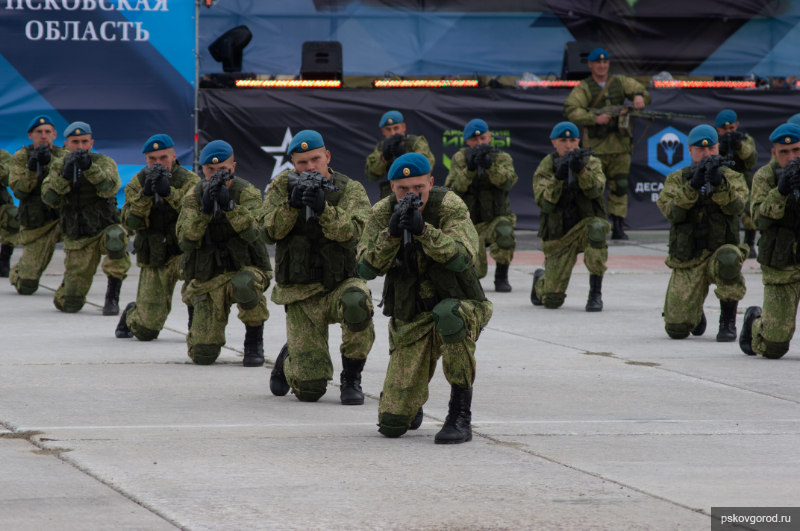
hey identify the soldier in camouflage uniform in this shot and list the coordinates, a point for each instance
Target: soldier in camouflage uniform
(316, 231)
(605, 132)
(775, 204)
(153, 200)
(432, 293)
(83, 186)
(702, 203)
(568, 187)
(40, 230)
(482, 176)
(395, 142)
(9, 216)
(739, 147)
(226, 260)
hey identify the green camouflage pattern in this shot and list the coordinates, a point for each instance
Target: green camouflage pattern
(502, 175)
(415, 346)
(8, 231)
(748, 155)
(766, 201)
(102, 173)
(376, 168)
(561, 255)
(307, 322)
(616, 165)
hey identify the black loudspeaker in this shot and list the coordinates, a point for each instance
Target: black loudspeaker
(228, 48)
(574, 64)
(321, 60)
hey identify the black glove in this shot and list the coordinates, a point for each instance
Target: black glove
(210, 194)
(296, 197)
(484, 158)
(471, 157)
(40, 155)
(161, 184)
(562, 168)
(576, 164)
(150, 176)
(785, 182)
(82, 159)
(314, 198)
(394, 225)
(714, 175)
(411, 220)
(224, 198)
(69, 165)
(736, 139)
(393, 147)
(699, 176)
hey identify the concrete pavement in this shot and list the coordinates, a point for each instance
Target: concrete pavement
(581, 421)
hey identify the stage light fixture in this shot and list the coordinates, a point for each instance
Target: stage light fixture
(228, 48)
(547, 83)
(288, 83)
(425, 83)
(704, 84)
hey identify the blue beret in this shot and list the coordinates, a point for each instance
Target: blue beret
(787, 133)
(565, 130)
(77, 129)
(725, 117)
(795, 119)
(409, 165)
(475, 127)
(703, 136)
(215, 152)
(391, 118)
(157, 142)
(42, 119)
(596, 54)
(306, 140)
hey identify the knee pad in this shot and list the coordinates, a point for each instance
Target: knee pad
(310, 390)
(554, 300)
(621, 182)
(72, 303)
(504, 235)
(392, 425)
(205, 354)
(13, 218)
(596, 232)
(144, 334)
(728, 264)
(678, 330)
(27, 286)
(775, 350)
(355, 310)
(448, 321)
(115, 241)
(244, 290)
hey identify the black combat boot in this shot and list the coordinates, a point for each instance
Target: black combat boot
(727, 321)
(617, 230)
(122, 331)
(746, 337)
(536, 301)
(111, 306)
(277, 379)
(595, 302)
(416, 422)
(750, 240)
(350, 391)
(501, 278)
(700, 329)
(457, 426)
(253, 346)
(5, 258)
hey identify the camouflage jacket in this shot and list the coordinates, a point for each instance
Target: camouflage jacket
(746, 157)
(102, 174)
(341, 223)
(491, 186)
(27, 186)
(376, 167)
(5, 161)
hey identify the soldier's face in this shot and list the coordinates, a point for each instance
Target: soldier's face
(599, 68)
(698, 153)
(485, 138)
(76, 142)
(165, 157)
(211, 168)
(727, 128)
(565, 145)
(315, 160)
(43, 135)
(786, 153)
(394, 129)
(420, 185)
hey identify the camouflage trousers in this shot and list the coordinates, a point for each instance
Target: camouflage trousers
(9, 224)
(80, 265)
(415, 348)
(487, 235)
(307, 323)
(688, 288)
(154, 298)
(616, 167)
(560, 257)
(37, 251)
(773, 331)
(212, 300)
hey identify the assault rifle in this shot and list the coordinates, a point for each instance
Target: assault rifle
(710, 164)
(792, 172)
(568, 158)
(310, 180)
(408, 203)
(217, 180)
(727, 147)
(621, 118)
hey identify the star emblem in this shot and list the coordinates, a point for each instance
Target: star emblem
(279, 154)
